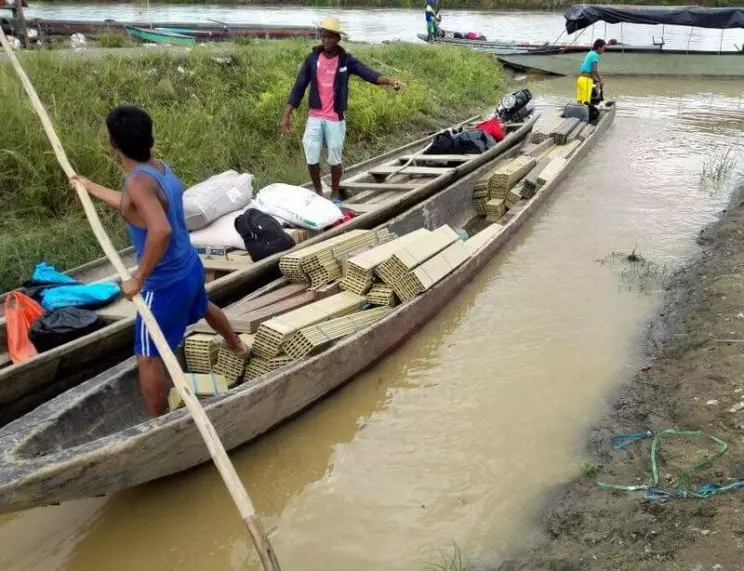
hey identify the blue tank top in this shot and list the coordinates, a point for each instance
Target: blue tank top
(179, 259)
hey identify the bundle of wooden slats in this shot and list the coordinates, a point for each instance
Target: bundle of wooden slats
(514, 196)
(537, 149)
(310, 339)
(258, 366)
(201, 352)
(229, 364)
(299, 235)
(544, 128)
(565, 151)
(382, 294)
(530, 181)
(480, 195)
(495, 209)
(505, 177)
(274, 333)
(202, 385)
(415, 253)
(475, 243)
(321, 263)
(586, 132)
(554, 167)
(360, 269)
(563, 130)
(424, 276)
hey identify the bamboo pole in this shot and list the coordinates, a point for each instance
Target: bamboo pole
(207, 430)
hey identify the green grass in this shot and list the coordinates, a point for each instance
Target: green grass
(590, 468)
(209, 117)
(114, 40)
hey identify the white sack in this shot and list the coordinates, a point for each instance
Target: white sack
(297, 205)
(221, 194)
(219, 234)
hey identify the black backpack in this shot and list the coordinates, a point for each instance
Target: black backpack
(262, 234)
(63, 325)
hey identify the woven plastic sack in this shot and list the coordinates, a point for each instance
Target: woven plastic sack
(218, 195)
(219, 234)
(297, 205)
(20, 313)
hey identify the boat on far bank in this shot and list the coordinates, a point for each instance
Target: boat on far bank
(655, 59)
(160, 36)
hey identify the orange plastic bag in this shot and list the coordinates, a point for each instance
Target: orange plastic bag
(20, 312)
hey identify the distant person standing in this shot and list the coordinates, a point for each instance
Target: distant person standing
(589, 73)
(432, 19)
(326, 70)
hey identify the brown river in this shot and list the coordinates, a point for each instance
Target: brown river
(457, 437)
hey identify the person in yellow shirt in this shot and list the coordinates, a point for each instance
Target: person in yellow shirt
(589, 73)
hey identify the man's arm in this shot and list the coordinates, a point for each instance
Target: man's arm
(359, 69)
(595, 72)
(110, 197)
(141, 191)
(296, 95)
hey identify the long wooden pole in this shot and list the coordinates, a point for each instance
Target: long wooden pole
(209, 434)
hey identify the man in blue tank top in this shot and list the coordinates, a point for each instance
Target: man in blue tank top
(170, 274)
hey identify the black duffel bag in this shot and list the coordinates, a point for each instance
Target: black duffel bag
(262, 234)
(63, 325)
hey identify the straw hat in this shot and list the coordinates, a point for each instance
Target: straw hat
(331, 24)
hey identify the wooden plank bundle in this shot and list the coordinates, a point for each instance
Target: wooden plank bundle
(299, 235)
(514, 196)
(555, 166)
(310, 339)
(505, 177)
(360, 269)
(586, 131)
(564, 129)
(431, 271)
(495, 209)
(415, 253)
(544, 128)
(202, 385)
(274, 333)
(475, 243)
(324, 257)
(480, 195)
(536, 149)
(258, 366)
(530, 181)
(565, 151)
(201, 352)
(382, 294)
(229, 364)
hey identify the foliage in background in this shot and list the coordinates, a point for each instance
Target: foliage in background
(209, 116)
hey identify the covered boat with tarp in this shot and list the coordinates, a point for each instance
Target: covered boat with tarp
(654, 59)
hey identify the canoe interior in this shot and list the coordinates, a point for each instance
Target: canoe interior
(111, 404)
(376, 190)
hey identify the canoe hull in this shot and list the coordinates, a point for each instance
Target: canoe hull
(642, 62)
(160, 37)
(52, 455)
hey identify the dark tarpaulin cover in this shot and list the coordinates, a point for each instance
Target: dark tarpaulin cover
(580, 17)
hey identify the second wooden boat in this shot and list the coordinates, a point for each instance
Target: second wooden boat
(96, 438)
(160, 36)
(26, 385)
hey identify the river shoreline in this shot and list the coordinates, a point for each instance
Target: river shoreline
(694, 375)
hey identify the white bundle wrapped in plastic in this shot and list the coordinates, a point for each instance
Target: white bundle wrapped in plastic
(221, 194)
(297, 205)
(78, 43)
(219, 234)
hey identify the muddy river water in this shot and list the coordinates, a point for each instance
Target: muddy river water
(456, 437)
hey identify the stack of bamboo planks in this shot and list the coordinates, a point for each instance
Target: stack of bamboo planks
(202, 385)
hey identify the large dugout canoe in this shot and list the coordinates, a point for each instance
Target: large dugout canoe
(25, 386)
(96, 438)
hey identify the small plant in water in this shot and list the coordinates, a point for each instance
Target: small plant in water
(449, 561)
(716, 175)
(638, 273)
(590, 468)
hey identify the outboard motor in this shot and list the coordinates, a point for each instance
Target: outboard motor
(515, 107)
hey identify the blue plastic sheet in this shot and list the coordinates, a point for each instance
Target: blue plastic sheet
(90, 295)
(44, 273)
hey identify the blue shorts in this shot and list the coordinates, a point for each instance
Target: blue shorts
(175, 308)
(322, 131)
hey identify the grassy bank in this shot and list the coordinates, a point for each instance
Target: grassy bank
(209, 117)
(447, 4)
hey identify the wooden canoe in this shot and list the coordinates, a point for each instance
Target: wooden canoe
(25, 386)
(96, 438)
(160, 36)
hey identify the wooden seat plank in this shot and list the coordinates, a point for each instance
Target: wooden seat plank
(430, 171)
(438, 158)
(379, 185)
(361, 208)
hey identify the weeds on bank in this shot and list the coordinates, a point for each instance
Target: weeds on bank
(590, 468)
(213, 110)
(636, 273)
(450, 561)
(114, 40)
(716, 174)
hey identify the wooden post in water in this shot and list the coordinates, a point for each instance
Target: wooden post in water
(23, 30)
(207, 430)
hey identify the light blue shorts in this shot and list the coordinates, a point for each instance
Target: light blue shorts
(320, 131)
